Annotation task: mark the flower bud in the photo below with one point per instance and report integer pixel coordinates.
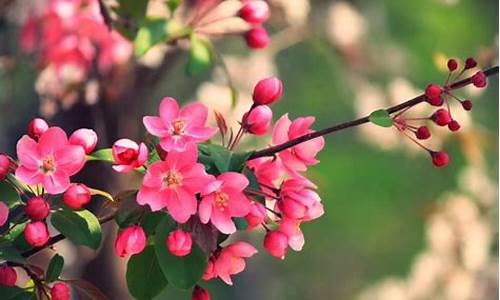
(257, 38)
(423, 133)
(86, 138)
(179, 243)
(470, 63)
(76, 196)
(454, 125)
(4, 166)
(200, 293)
(60, 291)
(132, 240)
(4, 213)
(37, 209)
(267, 91)
(36, 233)
(440, 158)
(128, 155)
(255, 11)
(479, 79)
(441, 117)
(452, 64)
(467, 105)
(433, 93)
(8, 276)
(37, 127)
(256, 216)
(258, 121)
(276, 243)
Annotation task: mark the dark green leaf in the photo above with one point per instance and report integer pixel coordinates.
(145, 279)
(241, 223)
(223, 159)
(151, 220)
(55, 268)
(9, 195)
(87, 290)
(10, 253)
(253, 184)
(200, 56)
(173, 4)
(381, 118)
(151, 33)
(81, 227)
(102, 154)
(182, 272)
(15, 293)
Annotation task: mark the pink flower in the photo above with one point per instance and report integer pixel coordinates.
(4, 213)
(8, 276)
(76, 196)
(267, 91)
(276, 243)
(177, 128)
(36, 128)
(132, 240)
(50, 161)
(86, 138)
(224, 199)
(258, 121)
(298, 201)
(267, 171)
(4, 166)
(174, 183)
(291, 228)
(255, 11)
(128, 155)
(179, 243)
(37, 209)
(257, 38)
(297, 158)
(256, 216)
(36, 234)
(60, 291)
(229, 262)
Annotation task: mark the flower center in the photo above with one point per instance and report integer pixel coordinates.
(48, 164)
(177, 127)
(221, 199)
(172, 179)
(128, 156)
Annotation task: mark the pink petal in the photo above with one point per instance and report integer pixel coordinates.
(280, 131)
(143, 155)
(211, 187)
(29, 176)
(234, 181)
(201, 133)
(52, 140)
(174, 143)
(196, 113)
(222, 221)
(242, 249)
(155, 126)
(169, 110)
(70, 159)
(222, 266)
(27, 152)
(205, 208)
(152, 197)
(153, 177)
(300, 126)
(181, 204)
(123, 168)
(239, 205)
(124, 144)
(196, 179)
(183, 159)
(57, 182)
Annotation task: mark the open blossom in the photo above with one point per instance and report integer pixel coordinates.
(128, 155)
(267, 170)
(298, 201)
(256, 216)
(174, 183)
(291, 228)
(178, 127)
(224, 199)
(297, 158)
(132, 240)
(229, 261)
(50, 161)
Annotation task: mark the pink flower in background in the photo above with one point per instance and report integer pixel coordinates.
(297, 158)
(128, 155)
(132, 240)
(299, 201)
(230, 261)
(224, 199)
(174, 183)
(50, 161)
(177, 128)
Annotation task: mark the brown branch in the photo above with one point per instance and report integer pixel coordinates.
(275, 149)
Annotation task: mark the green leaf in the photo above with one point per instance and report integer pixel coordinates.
(182, 272)
(15, 293)
(201, 56)
(241, 223)
(151, 33)
(55, 268)
(10, 253)
(173, 4)
(381, 118)
(145, 279)
(103, 155)
(253, 184)
(81, 227)
(223, 159)
(9, 195)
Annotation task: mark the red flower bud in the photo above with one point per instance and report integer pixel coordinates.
(423, 133)
(440, 159)
(454, 125)
(200, 293)
(257, 38)
(179, 243)
(37, 127)
(452, 65)
(441, 117)
(479, 79)
(4, 166)
(255, 11)
(132, 240)
(470, 63)
(8, 276)
(128, 155)
(76, 196)
(36, 234)
(276, 243)
(467, 105)
(60, 291)
(433, 91)
(258, 121)
(267, 91)
(37, 209)
(86, 138)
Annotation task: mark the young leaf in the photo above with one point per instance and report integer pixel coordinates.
(381, 118)
(55, 268)
(145, 279)
(223, 159)
(102, 154)
(200, 56)
(81, 227)
(151, 33)
(182, 272)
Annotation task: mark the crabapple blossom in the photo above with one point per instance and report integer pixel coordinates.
(291, 228)
(4, 213)
(176, 127)
(256, 216)
(179, 243)
(299, 201)
(229, 261)
(267, 91)
(267, 170)
(37, 209)
(86, 138)
(36, 233)
(76, 196)
(4, 166)
(200, 293)
(37, 127)
(8, 276)
(258, 120)
(224, 199)
(132, 240)
(128, 155)
(174, 183)
(60, 291)
(257, 38)
(50, 161)
(276, 243)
